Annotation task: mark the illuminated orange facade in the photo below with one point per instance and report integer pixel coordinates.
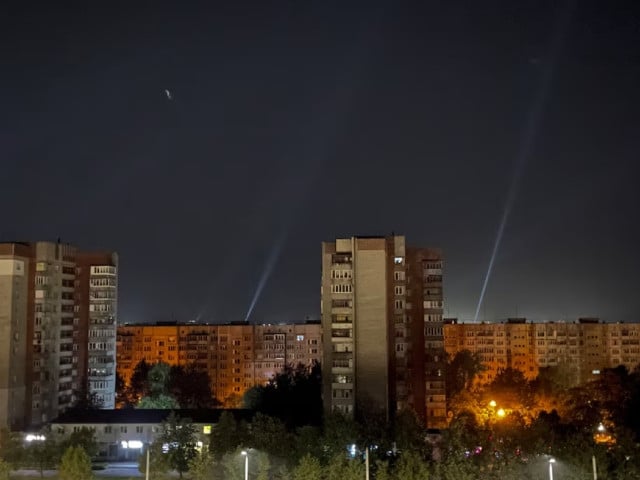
(584, 347)
(236, 356)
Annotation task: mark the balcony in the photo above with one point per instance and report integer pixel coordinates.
(340, 258)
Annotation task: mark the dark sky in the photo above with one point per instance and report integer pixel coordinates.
(294, 122)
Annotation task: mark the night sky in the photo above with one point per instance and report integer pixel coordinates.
(296, 122)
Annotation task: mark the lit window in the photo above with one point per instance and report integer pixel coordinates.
(398, 260)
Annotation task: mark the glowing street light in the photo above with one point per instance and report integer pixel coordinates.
(246, 464)
(501, 413)
(551, 462)
(492, 404)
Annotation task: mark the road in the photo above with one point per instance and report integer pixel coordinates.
(115, 469)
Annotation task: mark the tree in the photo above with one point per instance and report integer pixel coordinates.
(190, 386)
(123, 394)
(408, 431)
(75, 465)
(225, 436)
(86, 399)
(411, 466)
(164, 402)
(138, 383)
(85, 438)
(307, 439)
(11, 450)
(158, 465)
(5, 470)
(179, 435)
(342, 468)
(202, 465)
(461, 370)
(340, 431)
(233, 466)
(269, 434)
(44, 454)
(264, 466)
(293, 395)
(308, 468)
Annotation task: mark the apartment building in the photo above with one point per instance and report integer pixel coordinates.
(583, 348)
(52, 302)
(237, 356)
(382, 306)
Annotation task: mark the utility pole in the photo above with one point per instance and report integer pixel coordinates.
(146, 470)
(366, 462)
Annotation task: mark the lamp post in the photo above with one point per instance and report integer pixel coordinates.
(551, 462)
(246, 464)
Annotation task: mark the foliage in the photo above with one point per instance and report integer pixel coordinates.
(87, 400)
(411, 466)
(408, 432)
(85, 438)
(138, 384)
(201, 466)
(339, 431)
(308, 468)
(190, 386)
(165, 402)
(342, 468)
(264, 466)
(44, 454)
(233, 466)
(158, 462)
(269, 434)
(75, 464)
(293, 395)
(123, 399)
(5, 470)
(307, 439)
(225, 436)
(167, 387)
(179, 435)
(461, 371)
(11, 451)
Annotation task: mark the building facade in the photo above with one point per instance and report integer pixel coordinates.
(382, 304)
(49, 309)
(236, 356)
(583, 348)
(125, 434)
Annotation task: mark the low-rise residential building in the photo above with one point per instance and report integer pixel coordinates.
(123, 434)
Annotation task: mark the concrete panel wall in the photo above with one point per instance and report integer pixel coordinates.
(371, 332)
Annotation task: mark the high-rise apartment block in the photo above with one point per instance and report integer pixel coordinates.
(382, 306)
(582, 348)
(236, 356)
(58, 308)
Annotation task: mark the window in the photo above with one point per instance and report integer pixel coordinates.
(299, 338)
(123, 429)
(398, 260)
(107, 429)
(139, 429)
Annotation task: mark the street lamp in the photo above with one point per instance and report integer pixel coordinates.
(551, 462)
(246, 464)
